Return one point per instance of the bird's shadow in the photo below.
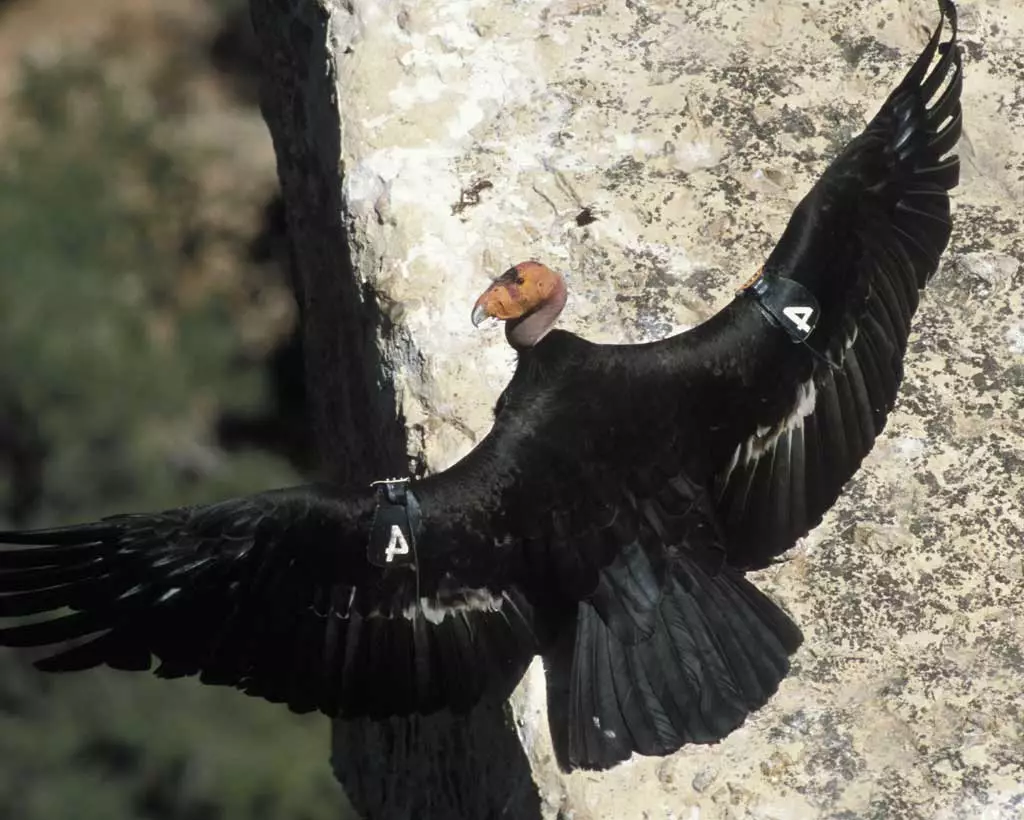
(436, 767)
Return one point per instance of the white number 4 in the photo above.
(397, 545)
(799, 316)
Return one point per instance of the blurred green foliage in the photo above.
(111, 344)
(116, 367)
(114, 746)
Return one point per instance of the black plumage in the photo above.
(605, 522)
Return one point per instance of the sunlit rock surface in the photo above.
(653, 151)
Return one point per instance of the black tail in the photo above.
(718, 652)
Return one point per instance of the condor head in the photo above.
(528, 297)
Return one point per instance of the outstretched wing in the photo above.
(272, 594)
(793, 410)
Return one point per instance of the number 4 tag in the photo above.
(800, 316)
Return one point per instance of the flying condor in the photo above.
(605, 522)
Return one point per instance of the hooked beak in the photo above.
(507, 297)
(479, 314)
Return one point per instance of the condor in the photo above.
(605, 522)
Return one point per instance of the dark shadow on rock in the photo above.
(439, 767)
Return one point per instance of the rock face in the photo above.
(653, 151)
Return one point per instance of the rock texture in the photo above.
(653, 151)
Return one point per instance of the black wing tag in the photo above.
(395, 525)
(787, 303)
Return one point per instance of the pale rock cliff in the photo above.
(652, 151)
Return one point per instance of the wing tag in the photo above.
(395, 524)
(787, 303)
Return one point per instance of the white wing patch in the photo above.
(764, 438)
(438, 608)
(446, 602)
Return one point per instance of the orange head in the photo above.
(520, 291)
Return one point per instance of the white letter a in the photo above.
(397, 545)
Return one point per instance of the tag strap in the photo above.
(396, 524)
(786, 303)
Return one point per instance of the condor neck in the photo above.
(524, 333)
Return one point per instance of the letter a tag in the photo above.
(392, 540)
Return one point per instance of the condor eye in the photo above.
(519, 280)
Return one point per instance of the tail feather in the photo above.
(718, 651)
(612, 708)
(769, 638)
